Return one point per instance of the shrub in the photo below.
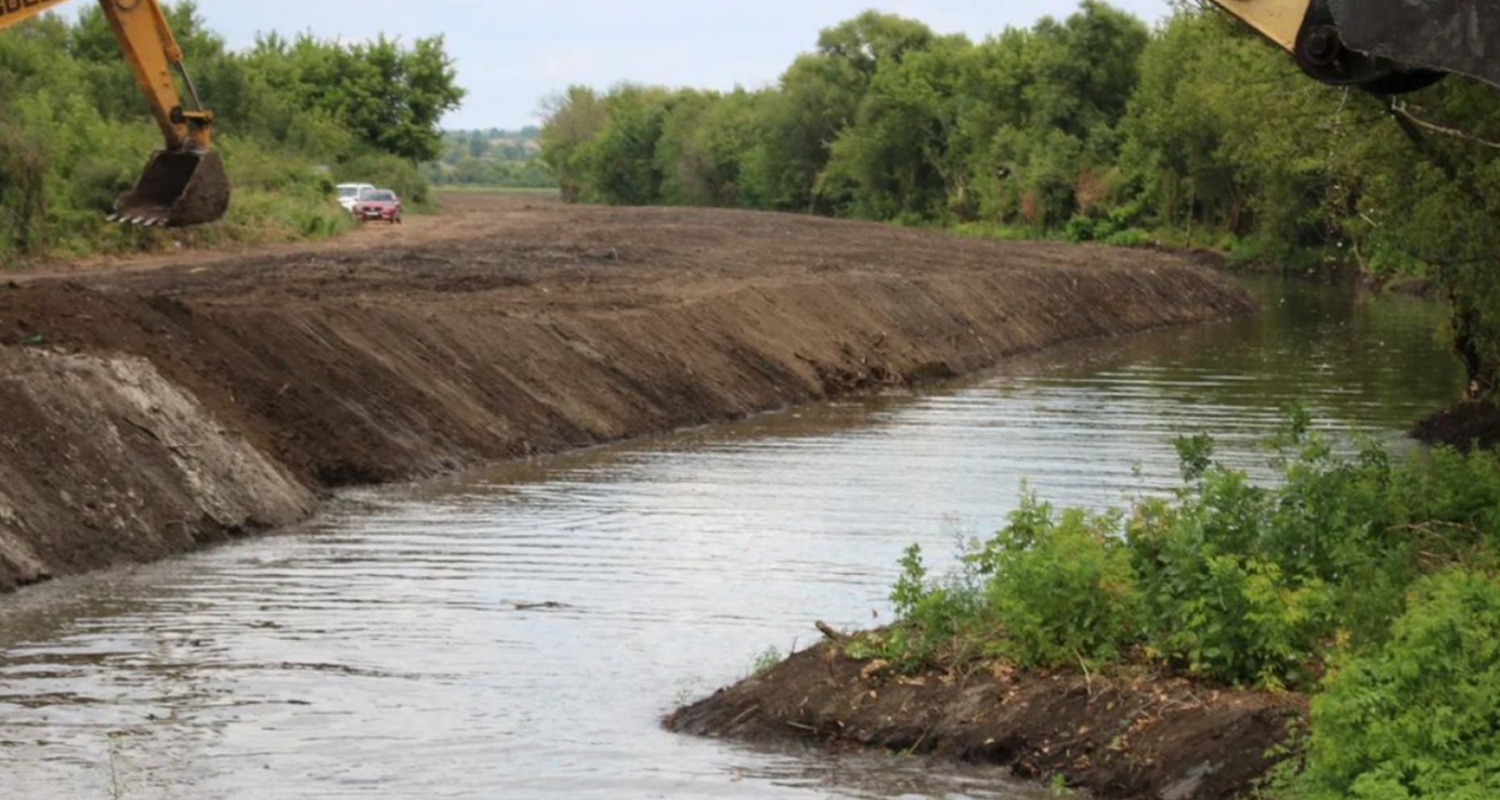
(1234, 582)
(389, 172)
(1420, 716)
(933, 614)
(1227, 615)
(1060, 588)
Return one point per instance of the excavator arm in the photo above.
(184, 183)
(1385, 46)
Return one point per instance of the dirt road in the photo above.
(463, 216)
(156, 404)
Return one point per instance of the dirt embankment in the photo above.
(152, 406)
(1147, 738)
(1464, 426)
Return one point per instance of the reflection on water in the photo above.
(394, 648)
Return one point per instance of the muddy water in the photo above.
(517, 633)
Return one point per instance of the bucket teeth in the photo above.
(144, 221)
(177, 188)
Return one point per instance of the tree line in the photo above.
(294, 115)
(491, 158)
(1096, 127)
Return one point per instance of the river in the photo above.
(518, 632)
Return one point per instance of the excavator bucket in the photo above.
(1460, 36)
(179, 188)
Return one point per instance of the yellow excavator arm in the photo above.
(1385, 46)
(184, 183)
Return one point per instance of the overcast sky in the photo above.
(511, 54)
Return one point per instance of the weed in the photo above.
(766, 661)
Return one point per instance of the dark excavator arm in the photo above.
(1386, 46)
(1459, 36)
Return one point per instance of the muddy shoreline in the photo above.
(151, 410)
(1118, 737)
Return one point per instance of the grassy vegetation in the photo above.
(481, 189)
(491, 158)
(1367, 581)
(293, 118)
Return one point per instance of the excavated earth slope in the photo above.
(154, 406)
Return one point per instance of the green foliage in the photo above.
(573, 120)
(388, 172)
(1089, 128)
(391, 97)
(766, 661)
(75, 132)
(1383, 569)
(622, 157)
(1218, 605)
(1060, 587)
(1418, 717)
(934, 611)
(492, 158)
(1235, 582)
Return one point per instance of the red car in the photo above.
(379, 205)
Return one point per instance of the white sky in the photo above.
(512, 54)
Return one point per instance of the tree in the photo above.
(573, 119)
(390, 96)
(901, 158)
(621, 158)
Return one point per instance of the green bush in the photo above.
(1229, 616)
(389, 172)
(1420, 716)
(1130, 237)
(934, 616)
(1227, 580)
(1385, 569)
(1060, 588)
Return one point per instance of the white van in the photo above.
(351, 193)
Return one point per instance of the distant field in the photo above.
(468, 189)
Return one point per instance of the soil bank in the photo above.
(1141, 738)
(1464, 426)
(157, 405)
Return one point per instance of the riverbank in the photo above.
(1117, 736)
(1320, 589)
(1462, 426)
(160, 406)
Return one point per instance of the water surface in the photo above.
(395, 647)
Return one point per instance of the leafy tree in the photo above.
(704, 146)
(900, 155)
(573, 120)
(1089, 127)
(390, 96)
(621, 159)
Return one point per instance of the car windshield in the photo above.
(348, 191)
(381, 197)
